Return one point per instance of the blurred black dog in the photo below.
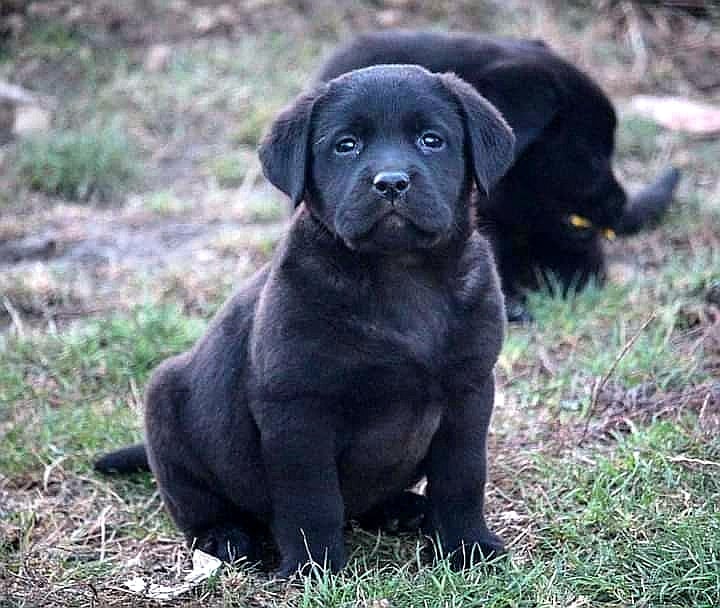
(548, 215)
(361, 358)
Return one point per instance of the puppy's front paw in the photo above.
(487, 547)
(290, 568)
(226, 542)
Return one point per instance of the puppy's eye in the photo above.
(431, 140)
(346, 145)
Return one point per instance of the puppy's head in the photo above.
(385, 156)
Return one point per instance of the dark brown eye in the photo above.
(431, 140)
(346, 145)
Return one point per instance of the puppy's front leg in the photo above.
(456, 471)
(308, 512)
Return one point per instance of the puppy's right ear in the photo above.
(285, 148)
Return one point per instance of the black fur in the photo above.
(361, 358)
(132, 459)
(565, 129)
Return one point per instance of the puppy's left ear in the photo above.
(284, 150)
(491, 140)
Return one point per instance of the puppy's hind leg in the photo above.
(209, 520)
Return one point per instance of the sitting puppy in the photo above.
(548, 215)
(361, 357)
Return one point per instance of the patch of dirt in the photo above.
(78, 260)
(620, 409)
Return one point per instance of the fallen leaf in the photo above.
(204, 566)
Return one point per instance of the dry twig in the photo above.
(599, 386)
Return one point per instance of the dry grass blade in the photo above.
(600, 385)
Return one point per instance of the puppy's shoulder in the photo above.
(311, 263)
(238, 311)
(223, 346)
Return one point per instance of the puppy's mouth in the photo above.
(394, 232)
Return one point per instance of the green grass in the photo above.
(578, 339)
(634, 528)
(73, 391)
(251, 79)
(265, 208)
(165, 203)
(80, 164)
(229, 170)
(48, 38)
(637, 138)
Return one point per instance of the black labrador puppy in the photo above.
(361, 357)
(547, 217)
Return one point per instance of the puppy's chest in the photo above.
(407, 322)
(381, 454)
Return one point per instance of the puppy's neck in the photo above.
(309, 234)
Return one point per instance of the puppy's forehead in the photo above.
(388, 93)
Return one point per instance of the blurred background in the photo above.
(130, 151)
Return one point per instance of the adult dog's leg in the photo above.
(513, 262)
(456, 470)
(308, 510)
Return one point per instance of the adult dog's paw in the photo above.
(516, 311)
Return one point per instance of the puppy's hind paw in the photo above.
(405, 512)
(226, 542)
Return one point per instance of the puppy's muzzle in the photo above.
(391, 184)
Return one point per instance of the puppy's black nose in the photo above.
(391, 184)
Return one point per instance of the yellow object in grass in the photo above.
(609, 234)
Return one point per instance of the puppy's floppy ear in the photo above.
(285, 148)
(491, 139)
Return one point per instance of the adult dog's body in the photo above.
(361, 358)
(565, 128)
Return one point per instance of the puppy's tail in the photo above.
(132, 459)
(650, 204)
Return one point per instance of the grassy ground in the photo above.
(605, 477)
